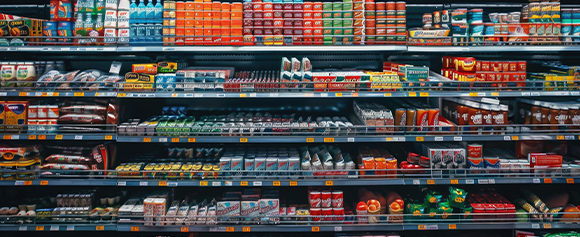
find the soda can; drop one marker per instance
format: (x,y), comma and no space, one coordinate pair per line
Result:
(327,214)
(315,213)
(43,111)
(315,199)
(325,199)
(338,214)
(337,199)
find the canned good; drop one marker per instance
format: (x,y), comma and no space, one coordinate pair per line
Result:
(474,150)
(326,199)
(315,199)
(337,199)
(316,213)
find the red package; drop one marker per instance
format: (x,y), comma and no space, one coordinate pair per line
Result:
(543,159)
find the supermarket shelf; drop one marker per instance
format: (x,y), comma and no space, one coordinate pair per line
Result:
(344,139)
(353,48)
(291,182)
(398,94)
(506,48)
(59,94)
(77,137)
(59,227)
(260,48)
(288,228)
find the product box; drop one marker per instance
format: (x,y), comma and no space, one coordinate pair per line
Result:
(15,113)
(148,68)
(544,160)
(226,209)
(250,209)
(167,67)
(269,207)
(138,81)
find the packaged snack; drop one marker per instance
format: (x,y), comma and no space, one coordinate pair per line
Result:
(457,197)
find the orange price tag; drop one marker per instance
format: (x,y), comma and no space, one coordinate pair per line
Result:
(420,139)
(547,226)
(100,227)
(243,183)
(243,140)
(569,181)
(146,139)
(41,137)
(430,181)
(32,137)
(43,182)
(293,183)
(230,229)
(39,228)
(559,137)
(424,94)
(412,94)
(79,94)
(135,228)
(22,94)
(315,229)
(454,181)
(109,137)
(246,229)
(243,95)
(276,183)
(452,226)
(121,95)
(515,138)
(329,139)
(388,94)
(7,137)
(547,180)
(494,93)
(191,139)
(389,139)
(309,139)
(162,183)
(354,94)
(27,182)
(175,139)
(202,183)
(184,229)
(338,94)
(421,227)
(329,183)
(58,137)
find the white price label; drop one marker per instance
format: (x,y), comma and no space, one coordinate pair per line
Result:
(221,95)
(416,182)
(172,184)
(70,228)
(3,93)
(323,94)
(536,181)
(143,183)
(526,94)
(198,95)
(65,49)
(273,94)
(18,182)
(350,139)
(575,93)
(216,183)
(78,137)
(54,228)
(507,138)
(483,181)
(228,183)
(257,183)
(22,228)
(163,139)
(438,139)
(15,137)
(569,137)
(491,181)
(469,181)
(252,94)
(338,229)
(38,94)
(457,139)
(535,226)
(122,183)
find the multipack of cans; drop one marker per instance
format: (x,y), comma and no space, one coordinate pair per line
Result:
(504,73)
(326,205)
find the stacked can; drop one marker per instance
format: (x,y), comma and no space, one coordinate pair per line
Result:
(169,14)
(318,29)
(278,14)
(327,22)
(268,8)
(258,20)
(347,22)
(179,23)
(308,26)
(358,15)
(298,22)
(370,22)
(401,22)
(381,20)
(248,22)
(327,204)
(337,26)
(42,118)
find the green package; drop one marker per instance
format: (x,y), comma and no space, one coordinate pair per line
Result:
(432,198)
(416,209)
(443,210)
(457,197)
(467,213)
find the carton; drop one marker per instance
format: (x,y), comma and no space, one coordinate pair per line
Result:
(15,113)
(250,209)
(269,207)
(227,209)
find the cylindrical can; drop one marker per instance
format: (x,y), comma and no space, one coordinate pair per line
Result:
(362,211)
(475,150)
(314,199)
(391,6)
(325,199)
(327,214)
(338,214)
(337,199)
(401,6)
(315,213)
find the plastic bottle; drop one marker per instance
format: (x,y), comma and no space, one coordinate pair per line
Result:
(158,10)
(150,10)
(80,26)
(100,6)
(89,5)
(141,10)
(132,8)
